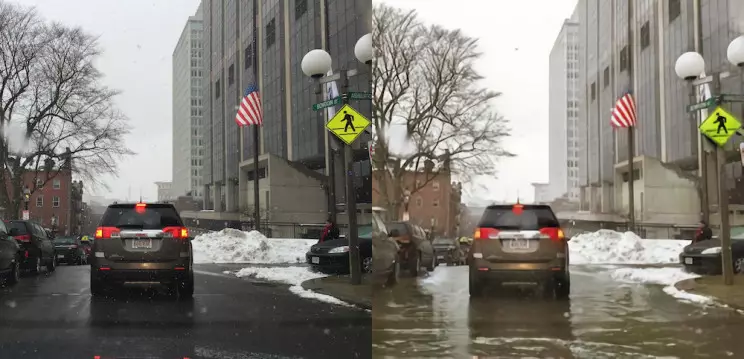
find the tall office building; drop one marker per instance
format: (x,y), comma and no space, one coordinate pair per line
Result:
(666,137)
(188,145)
(563,116)
(262,43)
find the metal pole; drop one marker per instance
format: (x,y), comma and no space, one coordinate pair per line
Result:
(631,179)
(723,205)
(332,212)
(351,210)
(704,192)
(256,195)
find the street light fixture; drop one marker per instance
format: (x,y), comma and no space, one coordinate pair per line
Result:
(316,64)
(690,66)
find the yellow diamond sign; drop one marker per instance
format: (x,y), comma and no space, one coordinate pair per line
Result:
(720,126)
(347,124)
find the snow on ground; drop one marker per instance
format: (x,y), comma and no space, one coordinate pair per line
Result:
(661,276)
(235,246)
(610,247)
(294,276)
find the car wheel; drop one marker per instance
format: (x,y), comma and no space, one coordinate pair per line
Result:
(394,275)
(433,264)
(37,266)
(367,265)
(475,286)
(739,265)
(562,287)
(414,264)
(15,272)
(185,288)
(97,288)
(52,266)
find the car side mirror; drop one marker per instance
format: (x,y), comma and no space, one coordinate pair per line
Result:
(394,233)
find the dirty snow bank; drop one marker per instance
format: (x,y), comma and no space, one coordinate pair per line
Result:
(235,246)
(610,247)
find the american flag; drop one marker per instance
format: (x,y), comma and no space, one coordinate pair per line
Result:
(624,112)
(250,112)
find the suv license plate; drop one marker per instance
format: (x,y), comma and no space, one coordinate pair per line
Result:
(315,260)
(142,244)
(519,243)
(688,260)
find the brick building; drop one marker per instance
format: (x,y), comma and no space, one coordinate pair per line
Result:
(50,202)
(436,202)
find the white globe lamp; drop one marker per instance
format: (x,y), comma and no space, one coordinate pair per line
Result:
(363,49)
(689,65)
(316,63)
(735,51)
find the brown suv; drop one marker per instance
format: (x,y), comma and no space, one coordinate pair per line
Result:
(520,244)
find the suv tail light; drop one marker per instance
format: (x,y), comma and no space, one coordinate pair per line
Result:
(485,233)
(176,232)
(555,234)
(23,238)
(107,232)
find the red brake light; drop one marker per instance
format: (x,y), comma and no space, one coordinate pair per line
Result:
(555,234)
(107,232)
(176,232)
(485,233)
(23,238)
(140,207)
(518,209)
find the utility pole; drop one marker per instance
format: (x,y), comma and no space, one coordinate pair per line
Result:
(351,207)
(705,197)
(723,204)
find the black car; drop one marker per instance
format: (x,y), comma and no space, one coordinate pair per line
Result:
(37,247)
(10,256)
(704,257)
(333,255)
(448,251)
(70,250)
(142,243)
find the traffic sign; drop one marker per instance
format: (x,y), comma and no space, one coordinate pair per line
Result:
(713,101)
(347,124)
(720,126)
(360,95)
(25,215)
(325,104)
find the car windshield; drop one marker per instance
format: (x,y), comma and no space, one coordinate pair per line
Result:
(64,240)
(153,216)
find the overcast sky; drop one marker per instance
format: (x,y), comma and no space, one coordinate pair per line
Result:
(137,38)
(516,38)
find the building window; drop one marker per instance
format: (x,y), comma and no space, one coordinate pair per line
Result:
(645,36)
(419,202)
(40,201)
(56,184)
(435,203)
(594,91)
(270,33)
(675,9)
(248,57)
(624,59)
(55,201)
(300,8)
(435,185)
(607,76)
(39,183)
(231,75)
(217,89)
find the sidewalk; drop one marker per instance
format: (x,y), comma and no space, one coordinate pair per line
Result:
(712,286)
(341,288)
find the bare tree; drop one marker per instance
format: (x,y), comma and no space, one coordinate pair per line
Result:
(425,81)
(51,90)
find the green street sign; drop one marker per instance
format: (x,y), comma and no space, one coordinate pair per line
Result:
(325,104)
(360,96)
(711,102)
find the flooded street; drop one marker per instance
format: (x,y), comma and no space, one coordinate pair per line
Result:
(435,317)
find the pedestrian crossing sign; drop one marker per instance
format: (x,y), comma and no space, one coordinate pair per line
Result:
(347,124)
(720,126)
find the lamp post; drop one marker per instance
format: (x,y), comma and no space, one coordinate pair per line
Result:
(690,66)
(26,197)
(316,64)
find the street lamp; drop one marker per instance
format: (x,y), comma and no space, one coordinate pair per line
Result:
(316,64)
(689,67)
(26,197)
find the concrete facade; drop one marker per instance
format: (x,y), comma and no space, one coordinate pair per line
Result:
(563,172)
(542,193)
(188,75)
(667,147)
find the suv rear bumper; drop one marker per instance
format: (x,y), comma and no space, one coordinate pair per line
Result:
(141,271)
(517,272)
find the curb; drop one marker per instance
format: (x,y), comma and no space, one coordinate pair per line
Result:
(689,285)
(316,285)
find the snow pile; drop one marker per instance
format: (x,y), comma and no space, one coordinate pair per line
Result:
(661,276)
(294,276)
(235,246)
(610,247)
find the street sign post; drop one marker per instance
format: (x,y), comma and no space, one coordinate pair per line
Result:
(348,124)
(325,104)
(713,101)
(360,95)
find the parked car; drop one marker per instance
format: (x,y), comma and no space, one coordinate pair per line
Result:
(704,257)
(86,242)
(385,263)
(37,247)
(333,256)
(520,243)
(11,256)
(448,251)
(70,250)
(415,251)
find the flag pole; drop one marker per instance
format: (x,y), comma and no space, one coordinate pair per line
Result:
(631,134)
(256,137)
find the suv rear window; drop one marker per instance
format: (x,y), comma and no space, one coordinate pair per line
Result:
(155,216)
(532,218)
(400,226)
(19,226)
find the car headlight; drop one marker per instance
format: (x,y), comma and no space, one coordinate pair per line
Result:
(714,250)
(339,249)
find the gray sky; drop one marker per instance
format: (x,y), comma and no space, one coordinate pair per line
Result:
(137,38)
(516,38)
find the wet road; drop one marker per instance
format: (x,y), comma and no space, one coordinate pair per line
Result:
(434,317)
(54,316)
